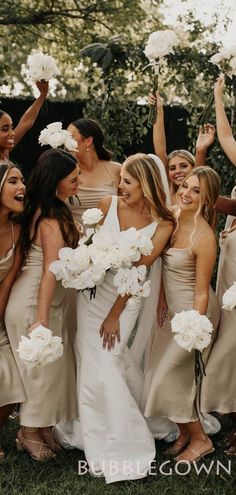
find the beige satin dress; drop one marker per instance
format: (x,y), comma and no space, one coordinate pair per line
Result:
(89,197)
(170,389)
(50,389)
(219,386)
(11,387)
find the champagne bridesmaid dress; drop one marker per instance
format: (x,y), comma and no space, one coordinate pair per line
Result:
(12,390)
(50,389)
(219,385)
(170,389)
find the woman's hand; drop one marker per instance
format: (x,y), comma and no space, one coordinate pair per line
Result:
(206,137)
(37,324)
(219,87)
(162,309)
(110,331)
(43,87)
(155,100)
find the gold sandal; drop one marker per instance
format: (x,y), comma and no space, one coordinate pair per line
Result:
(41,453)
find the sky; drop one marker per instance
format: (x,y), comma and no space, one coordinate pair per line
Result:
(205,10)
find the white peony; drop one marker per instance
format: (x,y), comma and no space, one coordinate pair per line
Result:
(54,136)
(29,351)
(41,334)
(92,216)
(160,44)
(225,59)
(41,67)
(229,298)
(128,281)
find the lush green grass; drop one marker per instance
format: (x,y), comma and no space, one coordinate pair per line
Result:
(19,475)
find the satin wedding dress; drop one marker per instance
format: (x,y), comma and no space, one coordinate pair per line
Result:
(112,431)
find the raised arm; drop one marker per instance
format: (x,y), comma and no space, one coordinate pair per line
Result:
(159,136)
(206,137)
(28,119)
(224,130)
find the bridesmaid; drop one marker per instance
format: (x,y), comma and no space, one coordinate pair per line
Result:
(218,394)
(179,162)
(12,191)
(36,298)
(99,175)
(187,270)
(10,137)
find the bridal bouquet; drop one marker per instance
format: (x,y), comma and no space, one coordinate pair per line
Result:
(40,347)
(192,332)
(100,250)
(229,298)
(54,136)
(159,44)
(132,281)
(41,67)
(225,59)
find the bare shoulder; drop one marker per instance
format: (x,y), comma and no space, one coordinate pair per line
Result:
(105,203)
(205,241)
(49,226)
(115,167)
(166,225)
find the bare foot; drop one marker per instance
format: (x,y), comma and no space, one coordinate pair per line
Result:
(196,449)
(181,442)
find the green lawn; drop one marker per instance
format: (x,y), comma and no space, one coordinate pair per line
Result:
(19,475)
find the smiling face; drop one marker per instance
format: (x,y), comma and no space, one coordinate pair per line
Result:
(178,168)
(6,133)
(189,194)
(13,191)
(69,185)
(131,190)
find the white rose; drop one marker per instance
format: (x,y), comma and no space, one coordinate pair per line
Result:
(29,351)
(229,298)
(92,216)
(54,127)
(52,351)
(70,143)
(41,335)
(55,140)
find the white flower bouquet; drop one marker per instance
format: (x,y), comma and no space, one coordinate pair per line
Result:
(192,332)
(225,59)
(229,298)
(100,250)
(159,44)
(132,281)
(40,347)
(54,136)
(41,67)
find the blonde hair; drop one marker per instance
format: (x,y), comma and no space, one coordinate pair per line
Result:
(209,191)
(183,154)
(144,169)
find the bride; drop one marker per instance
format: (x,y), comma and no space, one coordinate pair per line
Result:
(112,431)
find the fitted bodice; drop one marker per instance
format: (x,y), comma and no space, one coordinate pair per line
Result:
(6,262)
(89,197)
(112,220)
(179,275)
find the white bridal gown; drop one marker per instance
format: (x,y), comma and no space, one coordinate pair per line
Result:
(112,431)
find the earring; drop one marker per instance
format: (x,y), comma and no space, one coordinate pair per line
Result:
(87,148)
